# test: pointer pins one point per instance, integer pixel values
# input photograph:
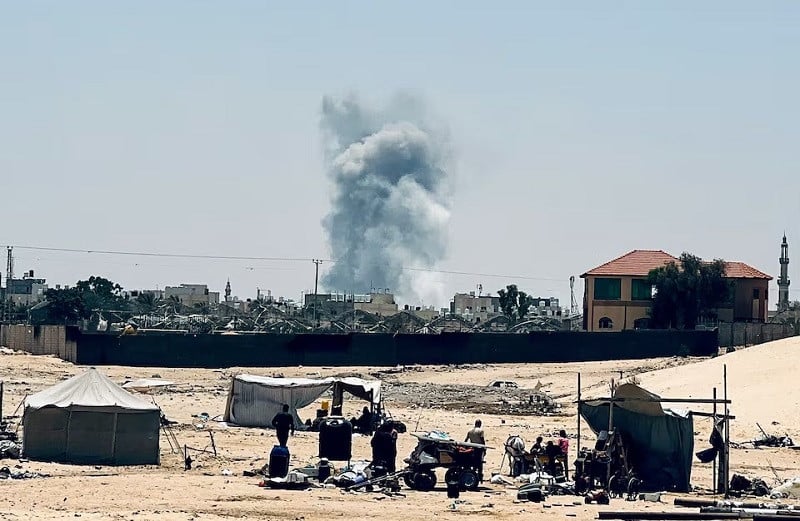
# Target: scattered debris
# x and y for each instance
(9, 449)
(6, 473)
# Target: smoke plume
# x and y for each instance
(390, 205)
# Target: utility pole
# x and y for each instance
(10, 265)
(316, 262)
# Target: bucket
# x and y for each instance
(453, 489)
(325, 405)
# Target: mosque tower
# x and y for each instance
(783, 281)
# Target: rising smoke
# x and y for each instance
(390, 202)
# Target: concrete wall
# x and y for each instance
(741, 334)
(40, 340)
(364, 349)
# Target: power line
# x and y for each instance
(271, 259)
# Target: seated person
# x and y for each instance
(553, 453)
(363, 423)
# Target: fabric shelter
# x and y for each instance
(88, 419)
(254, 400)
(659, 441)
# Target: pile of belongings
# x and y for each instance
(742, 485)
(6, 473)
(789, 489)
(355, 473)
(543, 482)
(9, 449)
(294, 480)
(769, 440)
(774, 441)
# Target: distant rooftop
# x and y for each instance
(638, 263)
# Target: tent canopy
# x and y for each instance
(660, 441)
(254, 400)
(88, 389)
(88, 419)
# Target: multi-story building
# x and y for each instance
(475, 308)
(381, 304)
(191, 294)
(26, 291)
(617, 295)
(545, 307)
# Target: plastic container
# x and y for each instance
(325, 405)
(335, 439)
(453, 489)
(324, 470)
(278, 462)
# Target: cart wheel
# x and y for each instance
(424, 481)
(408, 479)
(469, 480)
(452, 474)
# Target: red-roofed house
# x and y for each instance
(617, 296)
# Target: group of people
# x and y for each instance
(553, 451)
(384, 441)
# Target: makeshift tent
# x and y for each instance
(88, 419)
(254, 400)
(659, 441)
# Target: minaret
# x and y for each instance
(228, 291)
(783, 281)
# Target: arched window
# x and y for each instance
(641, 323)
(606, 323)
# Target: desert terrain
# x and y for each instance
(761, 383)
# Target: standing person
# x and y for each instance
(283, 423)
(476, 435)
(563, 444)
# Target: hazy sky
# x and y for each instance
(580, 131)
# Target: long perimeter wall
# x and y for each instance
(271, 350)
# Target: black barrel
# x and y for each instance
(335, 439)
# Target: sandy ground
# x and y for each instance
(761, 383)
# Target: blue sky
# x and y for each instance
(580, 131)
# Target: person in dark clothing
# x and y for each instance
(364, 422)
(283, 423)
(537, 447)
(384, 448)
(553, 452)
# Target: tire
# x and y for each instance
(408, 479)
(469, 480)
(424, 481)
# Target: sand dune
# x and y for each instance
(762, 384)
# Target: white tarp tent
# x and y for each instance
(254, 400)
(88, 419)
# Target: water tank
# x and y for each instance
(278, 462)
(336, 439)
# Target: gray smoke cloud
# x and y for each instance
(390, 201)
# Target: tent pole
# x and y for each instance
(610, 426)
(727, 430)
(713, 428)
(66, 446)
(114, 439)
(578, 444)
